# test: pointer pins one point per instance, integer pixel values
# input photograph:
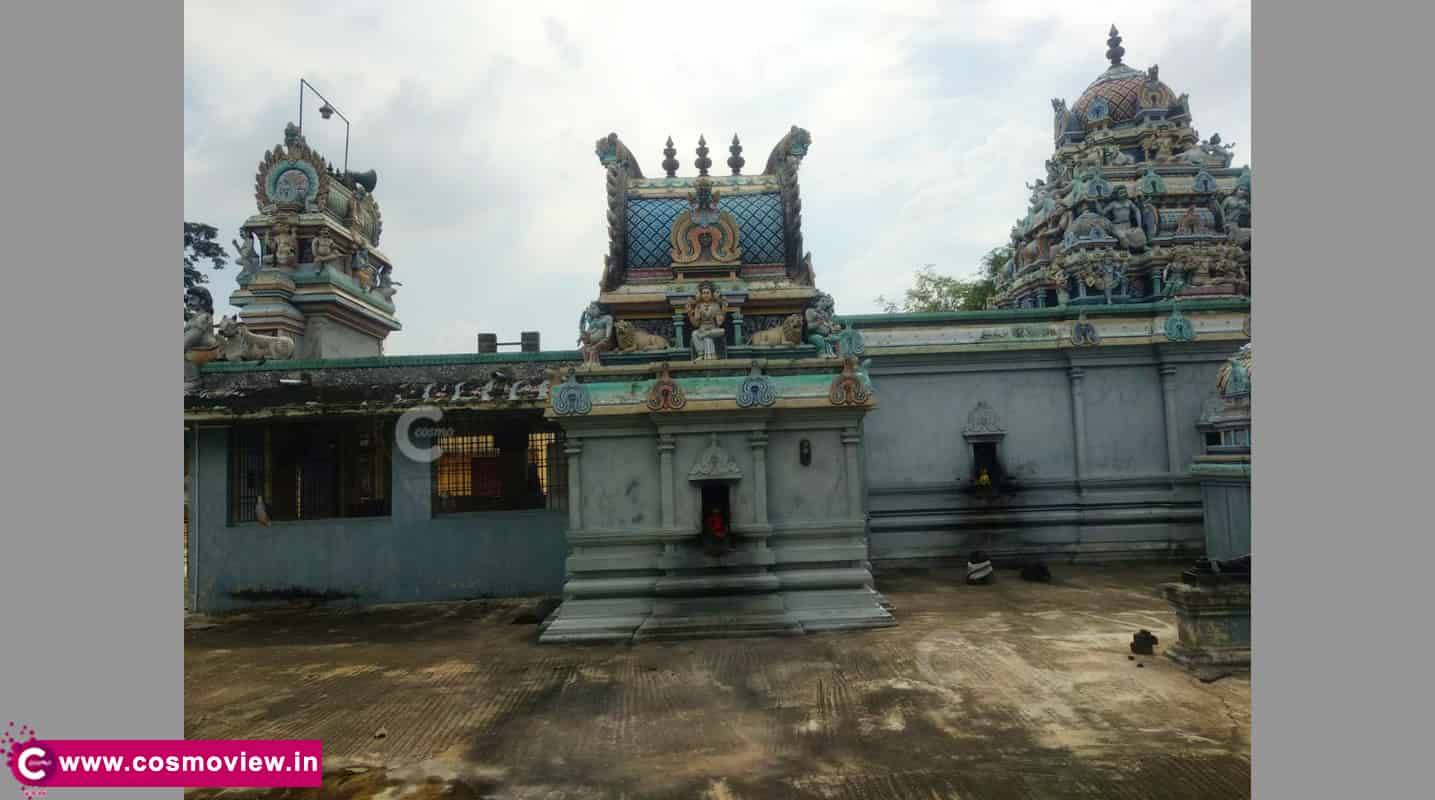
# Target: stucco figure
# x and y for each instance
(822, 328)
(707, 313)
(595, 333)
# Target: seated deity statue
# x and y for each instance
(1125, 217)
(823, 331)
(706, 313)
(325, 253)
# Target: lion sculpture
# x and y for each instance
(631, 338)
(788, 333)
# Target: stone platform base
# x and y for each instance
(1213, 625)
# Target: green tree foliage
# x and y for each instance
(932, 291)
(199, 246)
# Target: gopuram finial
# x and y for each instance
(670, 159)
(1114, 50)
(703, 161)
(736, 161)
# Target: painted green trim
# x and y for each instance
(1012, 315)
(442, 360)
(1221, 470)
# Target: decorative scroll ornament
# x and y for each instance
(571, 397)
(983, 421)
(292, 175)
(848, 388)
(619, 163)
(704, 233)
(666, 393)
(757, 389)
(1178, 328)
(1084, 334)
(715, 464)
(1203, 183)
(786, 157)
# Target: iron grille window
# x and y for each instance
(499, 464)
(310, 470)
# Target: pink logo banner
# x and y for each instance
(51, 763)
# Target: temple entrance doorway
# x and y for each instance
(717, 534)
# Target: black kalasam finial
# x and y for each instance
(703, 161)
(670, 158)
(1114, 50)
(736, 161)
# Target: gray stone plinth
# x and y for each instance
(1213, 624)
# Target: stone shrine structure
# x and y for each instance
(1213, 599)
(1135, 206)
(713, 432)
(317, 275)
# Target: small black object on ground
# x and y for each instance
(1036, 572)
(1143, 643)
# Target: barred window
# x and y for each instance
(498, 464)
(309, 470)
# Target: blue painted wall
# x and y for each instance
(1125, 503)
(410, 555)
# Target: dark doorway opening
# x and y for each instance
(716, 518)
(984, 454)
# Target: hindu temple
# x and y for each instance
(726, 452)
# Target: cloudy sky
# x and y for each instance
(927, 119)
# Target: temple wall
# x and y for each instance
(407, 556)
(1121, 491)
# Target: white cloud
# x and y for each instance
(927, 119)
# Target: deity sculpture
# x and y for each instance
(387, 287)
(247, 257)
(1236, 208)
(823, 330)
(706, 313)
(286, 247)
(1087, 224)
(361, 268)
(595, 333)
(325, 252)
(1125, 216)
(1220, 154)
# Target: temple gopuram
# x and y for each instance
(1135, 206)
(721, 452)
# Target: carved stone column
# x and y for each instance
(573, 448)
(678, 322)
(1173, 432)
(758, 441)
(666, 445)
(1078, 419)
(851, 439)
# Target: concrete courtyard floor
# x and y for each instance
(1014, 690)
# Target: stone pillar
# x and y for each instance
(851, 440)
(1173, 431)
(737, 338)
(758, 441)
(678, 322)
(1078, 419)
(666, 445)
(574, 449)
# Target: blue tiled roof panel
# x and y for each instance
(759, 221)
